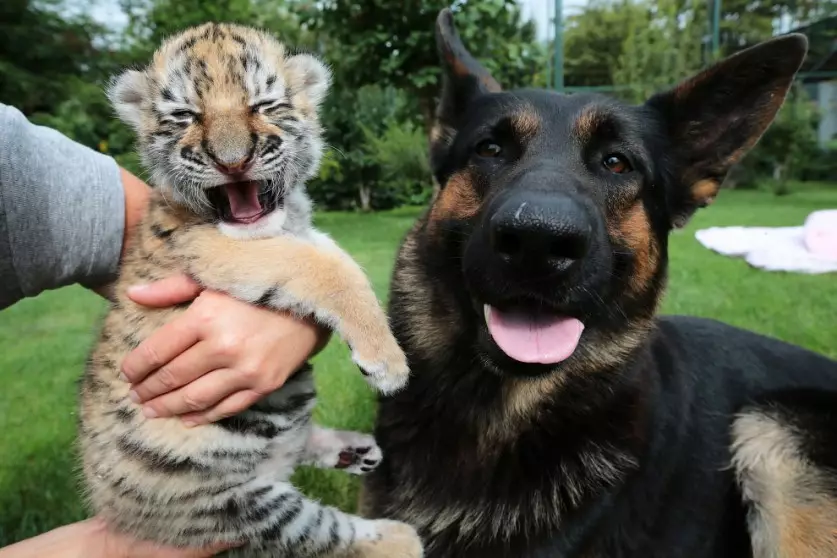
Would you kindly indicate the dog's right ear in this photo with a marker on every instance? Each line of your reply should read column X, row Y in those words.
column 463, row 79
column 714, row 118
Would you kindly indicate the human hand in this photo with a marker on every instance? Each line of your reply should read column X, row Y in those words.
column 93, row 539
column 106, row 543
column 216, row 359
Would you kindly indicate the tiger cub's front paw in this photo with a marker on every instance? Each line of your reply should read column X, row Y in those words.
column 385, row 368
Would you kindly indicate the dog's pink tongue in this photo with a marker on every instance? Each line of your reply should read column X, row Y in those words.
column 526, row 338
column 244, row 200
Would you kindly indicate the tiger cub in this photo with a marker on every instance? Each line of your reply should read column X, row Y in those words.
column 227, row 125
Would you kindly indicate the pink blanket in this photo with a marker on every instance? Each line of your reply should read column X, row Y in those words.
column 820, row 233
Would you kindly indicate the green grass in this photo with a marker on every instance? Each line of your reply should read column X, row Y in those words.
column 43, row 343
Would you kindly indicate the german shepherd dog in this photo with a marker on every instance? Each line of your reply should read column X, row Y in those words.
column 551, row 413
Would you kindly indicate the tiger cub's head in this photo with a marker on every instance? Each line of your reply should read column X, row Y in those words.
column 226, row 120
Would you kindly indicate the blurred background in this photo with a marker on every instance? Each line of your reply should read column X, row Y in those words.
column 56, row 55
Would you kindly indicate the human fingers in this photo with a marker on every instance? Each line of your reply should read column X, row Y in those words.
column 194, row 362
column 160, row 348
column 198, row 396
column 232, row 405
column 165, row 292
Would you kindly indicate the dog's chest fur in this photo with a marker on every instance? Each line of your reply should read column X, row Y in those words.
column 565, row 485
column 631, row 463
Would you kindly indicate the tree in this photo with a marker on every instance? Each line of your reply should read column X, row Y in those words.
column 790, row 144
column 392, row 43
column 152, row 21
column 662, row 46
column 40, row 51
column 747, row 22
column 595, row 37
column 377, row 157
column 594, row 40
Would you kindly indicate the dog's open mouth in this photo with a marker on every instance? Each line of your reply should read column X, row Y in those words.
column 243, row 202
column 533, row 336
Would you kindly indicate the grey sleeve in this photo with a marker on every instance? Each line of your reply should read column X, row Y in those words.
column 62, row 211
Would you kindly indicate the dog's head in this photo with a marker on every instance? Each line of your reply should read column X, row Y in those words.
column 555, row 209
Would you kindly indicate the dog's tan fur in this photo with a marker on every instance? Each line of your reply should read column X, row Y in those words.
column 526, row 124
column 794, row 504
column 634, row 229
column 430, row 335
column 586, row 123
column 704, row 191
column 457, row 200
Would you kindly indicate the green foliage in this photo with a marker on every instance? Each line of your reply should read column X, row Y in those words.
column 788, row 147
column 595, row 36
column 54, row 62
column 374, row 42
column 747, row 22
column 87, row 117
column 375, row 150
column 40, row 51
column 594, row 39
column 401, row 152
column 661, row 47
column 152, row 21
column 386, row 82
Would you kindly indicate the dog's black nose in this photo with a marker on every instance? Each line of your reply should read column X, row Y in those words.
column 540, row 231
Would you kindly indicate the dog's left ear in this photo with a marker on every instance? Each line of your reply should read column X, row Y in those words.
column 713, row 119
column 463, row 79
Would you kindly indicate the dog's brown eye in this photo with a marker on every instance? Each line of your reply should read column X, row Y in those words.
column 617, row 164
column 488, row 148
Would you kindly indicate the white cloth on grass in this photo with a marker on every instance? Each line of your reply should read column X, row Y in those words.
column 811, row 248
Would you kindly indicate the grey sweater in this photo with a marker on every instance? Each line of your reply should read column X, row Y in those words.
column 62, row 211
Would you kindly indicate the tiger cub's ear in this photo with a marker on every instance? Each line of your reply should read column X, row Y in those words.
column 310, row 76
column 127, row 93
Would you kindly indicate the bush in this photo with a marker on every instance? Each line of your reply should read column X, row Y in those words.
column 823, row 166
column 788, row 151
column 401, row 152
column 377, row 156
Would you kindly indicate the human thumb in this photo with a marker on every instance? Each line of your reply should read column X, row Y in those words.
column 166, row 292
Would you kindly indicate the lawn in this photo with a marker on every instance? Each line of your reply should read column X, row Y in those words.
column 43, row 343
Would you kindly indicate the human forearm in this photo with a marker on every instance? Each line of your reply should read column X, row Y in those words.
column 136, row 193
column 92, row 539
column 70, row 541
column 63, row 210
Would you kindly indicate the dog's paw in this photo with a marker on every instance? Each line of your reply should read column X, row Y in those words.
column 394, row 540
column 361, row 455
column 388, row 373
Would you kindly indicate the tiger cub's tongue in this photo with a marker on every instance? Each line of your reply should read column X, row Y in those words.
column 533, row 339
column 244, row 200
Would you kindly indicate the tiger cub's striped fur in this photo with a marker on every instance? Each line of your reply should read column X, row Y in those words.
column 227, row 124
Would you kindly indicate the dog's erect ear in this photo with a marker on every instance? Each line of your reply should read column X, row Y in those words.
column 716, row 117
column 463, row 78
